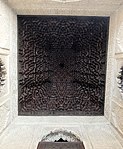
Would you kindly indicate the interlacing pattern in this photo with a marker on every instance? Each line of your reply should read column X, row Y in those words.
column 2, row 74
column 62, row 65
column 64, row 135
column 120, row 79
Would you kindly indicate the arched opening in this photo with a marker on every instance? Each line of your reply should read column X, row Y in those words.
column 61, row 139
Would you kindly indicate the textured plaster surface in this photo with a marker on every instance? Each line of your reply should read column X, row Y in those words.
column 116, row 101
column 4, row 90
column 27, row 136
column 82, row 7
column 8, row 45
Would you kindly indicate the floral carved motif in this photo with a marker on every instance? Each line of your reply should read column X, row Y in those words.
column 2, row 73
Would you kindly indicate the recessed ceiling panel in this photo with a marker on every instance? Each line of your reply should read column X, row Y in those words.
column 62, row 65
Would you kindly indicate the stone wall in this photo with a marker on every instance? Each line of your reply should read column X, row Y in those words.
column 8, row 43
column 115, row 59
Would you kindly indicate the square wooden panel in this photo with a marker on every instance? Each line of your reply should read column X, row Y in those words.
column 62, row 65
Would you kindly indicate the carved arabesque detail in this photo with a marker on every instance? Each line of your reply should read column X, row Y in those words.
column 2, row 74
column 56, row 135
column 62, row 64
column 120, row 79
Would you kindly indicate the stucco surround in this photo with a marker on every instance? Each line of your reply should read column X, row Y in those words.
column 8, row 53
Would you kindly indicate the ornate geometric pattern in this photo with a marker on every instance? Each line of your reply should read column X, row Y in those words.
column 62, row 65
column 120, row 79
column 2, row 73
column 57, row 135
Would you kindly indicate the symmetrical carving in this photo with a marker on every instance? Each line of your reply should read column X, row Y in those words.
column 61, row 139
column 120, row 79
column 62, row 64
column 2, row 73
column 63, row 135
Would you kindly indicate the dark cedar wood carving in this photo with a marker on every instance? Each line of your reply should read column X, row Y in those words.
column 62, row 65
column 58, row 145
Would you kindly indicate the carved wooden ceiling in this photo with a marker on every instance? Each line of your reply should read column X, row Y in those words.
column 62, row 65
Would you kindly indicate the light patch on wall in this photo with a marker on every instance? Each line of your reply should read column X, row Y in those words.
column 119, row 39
column 65, row 1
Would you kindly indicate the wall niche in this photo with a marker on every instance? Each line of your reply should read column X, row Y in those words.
column 62, row 65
